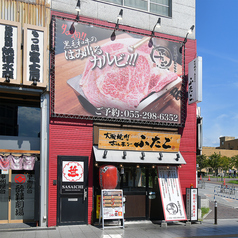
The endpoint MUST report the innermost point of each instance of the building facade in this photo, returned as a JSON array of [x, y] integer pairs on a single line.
[[24, 115], [118, 97], [228, 147]]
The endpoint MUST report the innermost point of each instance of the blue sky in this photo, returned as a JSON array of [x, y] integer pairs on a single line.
[[217, 44]]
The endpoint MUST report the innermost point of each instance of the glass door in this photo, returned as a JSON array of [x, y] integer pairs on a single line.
[[4, 196], [17, 196], [154, 200]]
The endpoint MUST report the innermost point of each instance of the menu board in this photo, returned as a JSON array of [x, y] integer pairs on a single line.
[[171, 196], [111, 205]]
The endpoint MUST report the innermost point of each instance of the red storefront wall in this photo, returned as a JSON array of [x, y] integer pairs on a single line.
[[72, 138], [75, 137], [187, 173]]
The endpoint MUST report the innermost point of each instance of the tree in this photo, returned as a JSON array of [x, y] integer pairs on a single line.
[[202, 161], [234, 160], [225, 163], [214, 161]]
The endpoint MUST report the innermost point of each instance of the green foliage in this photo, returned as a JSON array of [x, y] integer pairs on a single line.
[[202, 161], [234, 161], [205, 210], [214, 161], [225, 163], [233, 181]]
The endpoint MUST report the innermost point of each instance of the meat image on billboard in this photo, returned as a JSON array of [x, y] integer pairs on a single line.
[[120, 79]]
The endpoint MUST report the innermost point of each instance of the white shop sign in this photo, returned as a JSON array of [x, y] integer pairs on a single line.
[[171, 196], [195, 80]]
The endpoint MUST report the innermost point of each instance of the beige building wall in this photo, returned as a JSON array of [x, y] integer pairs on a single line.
[[208, 151]]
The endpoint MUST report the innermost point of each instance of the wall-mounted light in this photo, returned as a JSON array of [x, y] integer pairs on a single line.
[[153, 166], [35, 80], [157, 25], [160, 155], [77, 17], [167, 167], [119, 17], [104, 154], [96, 164], [190, 31], [124, 155], [77, 8], [138, 166], [142, 155], [72, 29], [177, 157], [7, 77]]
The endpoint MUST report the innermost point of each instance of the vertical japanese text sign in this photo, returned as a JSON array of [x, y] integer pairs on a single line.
[[10, 47], [35, 55], [195, 80]]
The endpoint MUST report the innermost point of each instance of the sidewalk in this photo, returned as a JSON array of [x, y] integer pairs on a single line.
[[224, 228], [219, 180]]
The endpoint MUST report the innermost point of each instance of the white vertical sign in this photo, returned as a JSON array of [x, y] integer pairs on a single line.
[[195, 80], [35, 55], [10, 46], [171, 196], [194, 204]]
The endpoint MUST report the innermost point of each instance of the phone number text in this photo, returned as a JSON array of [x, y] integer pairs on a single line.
[[131, 114]]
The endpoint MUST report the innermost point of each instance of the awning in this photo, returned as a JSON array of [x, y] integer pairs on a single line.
[[145, 157]]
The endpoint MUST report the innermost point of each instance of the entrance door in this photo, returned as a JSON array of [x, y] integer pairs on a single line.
[[17, 196], [72, 190], [154, 202], [141, 189]]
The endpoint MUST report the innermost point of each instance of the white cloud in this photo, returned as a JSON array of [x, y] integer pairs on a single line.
[[221, 56], [222, 116], [29, 113]]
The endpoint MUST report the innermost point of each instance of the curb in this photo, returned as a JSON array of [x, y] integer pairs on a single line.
[[27, 229]]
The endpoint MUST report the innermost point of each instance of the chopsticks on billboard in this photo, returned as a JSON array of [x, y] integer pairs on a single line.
[[131, 49]]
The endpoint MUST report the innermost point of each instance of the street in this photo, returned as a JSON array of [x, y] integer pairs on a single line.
[[227, 205]]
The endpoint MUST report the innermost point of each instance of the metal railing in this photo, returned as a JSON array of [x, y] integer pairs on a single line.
[[201, 183], [227, 191]]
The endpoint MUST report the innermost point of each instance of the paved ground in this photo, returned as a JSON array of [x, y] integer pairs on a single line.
[[224, 229], [227, 226], [223, 212]]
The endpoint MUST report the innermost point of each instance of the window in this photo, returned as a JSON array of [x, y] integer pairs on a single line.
[[134, 179], [158, 7], [16, 120]]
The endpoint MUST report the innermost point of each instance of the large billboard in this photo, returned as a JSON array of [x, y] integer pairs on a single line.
[[123, 79]]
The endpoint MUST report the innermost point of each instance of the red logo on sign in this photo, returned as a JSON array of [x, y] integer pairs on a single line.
[[73, 171], [20, 178]]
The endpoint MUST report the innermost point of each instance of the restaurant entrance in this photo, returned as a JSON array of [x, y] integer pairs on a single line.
[[17, 196], [141, 191]]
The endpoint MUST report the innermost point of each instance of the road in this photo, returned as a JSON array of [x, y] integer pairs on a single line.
[[227, 205]]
